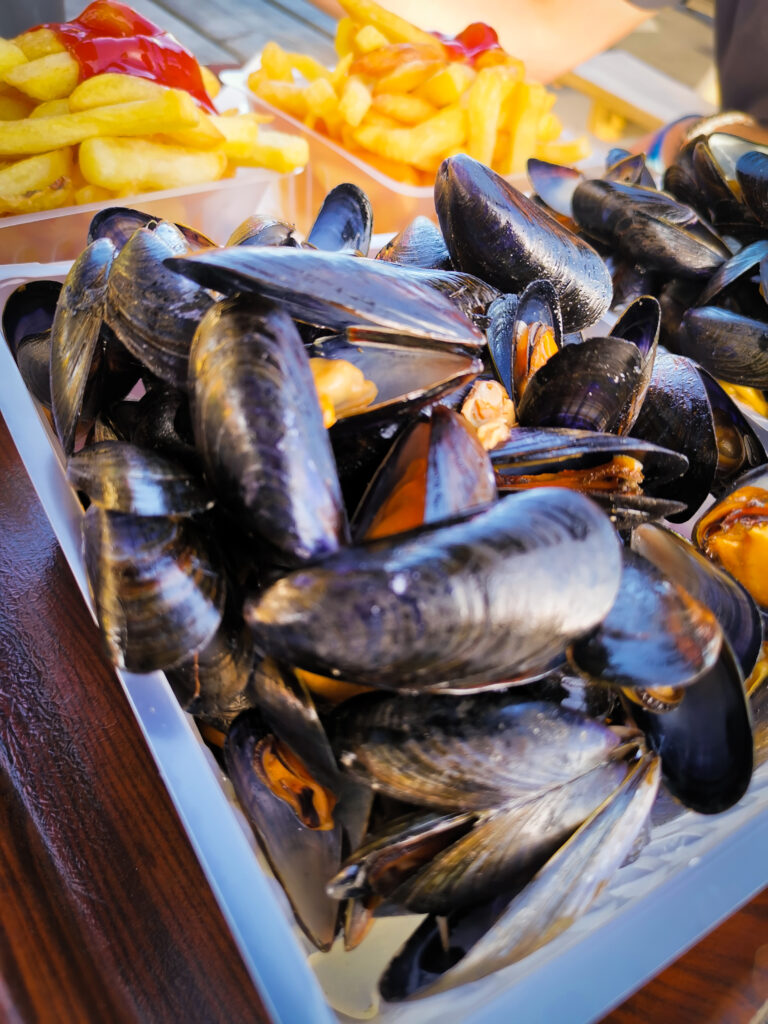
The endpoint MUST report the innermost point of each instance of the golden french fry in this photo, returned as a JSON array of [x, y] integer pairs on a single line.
[[142, 165], [15, 105], [550, 127], [46, 78], [369, 38], [404, 107], [172, 111], [445, 131], [10, 56], [35, 172], [113, 87], [322, 101], [527, 101], [276, 63], [204, 135], [211, 82], [396, 29], [407, 77], [563, 151], [384, 61], [447, 85], [344, 40], [286, 96], [308, 67], [39, 42], [279, 151], [354, 101], [239, 134], [52, 197], [340, 72], [92, 194], [485, 99], [50, 107]]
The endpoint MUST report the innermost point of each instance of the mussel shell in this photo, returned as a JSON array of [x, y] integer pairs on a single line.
[[732, 347], [125, 478], [161, 420], [734, 609], [258, 229], [258, 426], [655, 634], [497, 233], [537, 304], [344, 221], [554, 184], [469, 753], [640, 323], [752, 175], [630, 168], [158, 593], [118, 223], [303, 859], [334, 290], [152, 310], [419, 244], [729, 215], [33, 358], [29, 310], [746, 261], [705, 741], [75, 335], [590, 386], [446, 471], [502, 316], [467, 603]]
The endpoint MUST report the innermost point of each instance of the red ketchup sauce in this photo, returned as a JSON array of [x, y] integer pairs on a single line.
[[475, 39], [110, 36]]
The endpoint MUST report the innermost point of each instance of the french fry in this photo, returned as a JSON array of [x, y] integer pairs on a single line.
[[239, 135], [308, 67], [52, 197], [279, 151], [396, 29], [113, 87], [563, 151], [47, 78], [11, 56], [204, 135], [15, 105], [447, 85], [35, 172], [354, 101], [404, 107], [50, 107], [91, 194], [485, 98], [445, 131], [142, 165], [369, 38], [276, 63], [527, 103], [172, 111], [407, 77], [344, 40], [39, 42], [340, 72], [211, 83], [287, 96]]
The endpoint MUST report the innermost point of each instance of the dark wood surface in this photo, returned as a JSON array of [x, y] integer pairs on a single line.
[[105, 913]]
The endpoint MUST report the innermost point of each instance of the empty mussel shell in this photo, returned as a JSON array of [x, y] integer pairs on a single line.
[[344, 221], [29, 310]]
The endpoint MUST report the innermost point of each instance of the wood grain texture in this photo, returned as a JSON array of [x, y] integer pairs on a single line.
[[106, 915]]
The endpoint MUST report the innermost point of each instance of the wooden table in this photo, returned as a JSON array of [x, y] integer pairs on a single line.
[[105, 913]]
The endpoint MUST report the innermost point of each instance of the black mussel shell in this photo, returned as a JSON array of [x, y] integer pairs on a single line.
[[302, 858], [733, 348], [731, 217], [33, 358], [537, 305], [258, 229], [655, 635], [419, 244], [75, 337], [158, 592], [640, 323], [590, 386], [437, 469], [705, 740], [118, 223], [743, 264], [259, 428], [497, 233], [752, 175], [555, 184], [344, 222], [125, 478], [466, 603], [502, 316], [161, 420], [630, 168], [334, 290], [153, 311], [29, 310], [734, 609]]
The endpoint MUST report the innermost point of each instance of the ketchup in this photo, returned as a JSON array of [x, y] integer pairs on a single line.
[[476, 38], [110, 36]]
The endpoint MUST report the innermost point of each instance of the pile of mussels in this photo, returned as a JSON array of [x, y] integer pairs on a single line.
[[445, 680]]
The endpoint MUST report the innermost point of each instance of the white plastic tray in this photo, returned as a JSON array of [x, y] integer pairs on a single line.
[[695, 871]]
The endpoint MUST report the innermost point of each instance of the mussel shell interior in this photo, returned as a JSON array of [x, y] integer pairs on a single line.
[[29, 309]]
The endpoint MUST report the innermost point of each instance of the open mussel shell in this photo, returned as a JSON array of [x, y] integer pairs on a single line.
[[259, 428], [502, 316], [732, 533], [468, 603], [303, 858], [752, 176], [75, 337], [485, 938], [437, 469], [153, 311], [159, 594], [259, 229], [655, 635], [118, 223], [33, 358], [125, 478], [733, 608], [538, 313], [732, 347], [705, 740], [497, 233], [29, 310], [555, 184], [729, 215], [590, 386], [469, 753], [650, 227], [334, 290], [344, 221], [419, 244], [735, 272]]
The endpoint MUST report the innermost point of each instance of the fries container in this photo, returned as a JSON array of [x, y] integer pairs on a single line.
[[694, 871]]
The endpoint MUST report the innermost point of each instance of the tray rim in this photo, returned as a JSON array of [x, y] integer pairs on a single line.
[[244, 892]]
